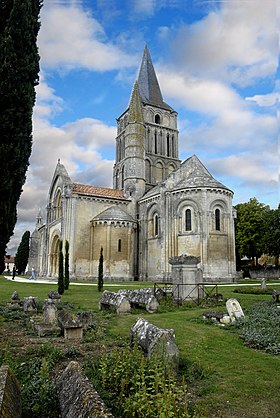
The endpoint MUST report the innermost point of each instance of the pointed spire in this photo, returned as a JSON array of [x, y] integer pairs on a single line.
[[148, 83], [135, 106], [39, 219]]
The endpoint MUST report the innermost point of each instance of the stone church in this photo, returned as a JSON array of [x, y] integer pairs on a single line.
[[159, 207]]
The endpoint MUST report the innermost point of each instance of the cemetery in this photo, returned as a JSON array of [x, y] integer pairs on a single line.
[[82, 352]]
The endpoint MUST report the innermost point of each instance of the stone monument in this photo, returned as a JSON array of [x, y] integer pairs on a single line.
[[186, 276]]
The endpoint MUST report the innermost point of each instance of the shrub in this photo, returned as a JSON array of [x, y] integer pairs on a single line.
[[140, 387], [261, 327], [253, 290]]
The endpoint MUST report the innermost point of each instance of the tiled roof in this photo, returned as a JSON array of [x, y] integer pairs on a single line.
[[86, 190]]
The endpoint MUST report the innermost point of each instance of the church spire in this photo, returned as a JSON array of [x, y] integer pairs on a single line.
[[135, 113], [148, 84]]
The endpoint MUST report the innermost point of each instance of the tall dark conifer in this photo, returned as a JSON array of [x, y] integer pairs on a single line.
[[19, 69], [66, 265], [60, 282], [21, 257], [100, 271]]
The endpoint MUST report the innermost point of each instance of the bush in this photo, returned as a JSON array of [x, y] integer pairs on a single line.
[[261, 327], [140, 387], [253, 290]]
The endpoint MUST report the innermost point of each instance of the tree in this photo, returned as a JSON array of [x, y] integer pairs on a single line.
[[100, 271], [272, 234], [19, 69], [21, 257], [60, 270], [66, 270], [251, 228]]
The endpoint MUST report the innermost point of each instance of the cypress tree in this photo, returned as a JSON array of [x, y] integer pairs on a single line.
[[19, 69], [60, 270], [66, 269], [21, 257], [100, 271]]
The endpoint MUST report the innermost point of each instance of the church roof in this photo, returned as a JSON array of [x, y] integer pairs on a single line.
[[86, 190], [114, 213], [148, 84], [197, 175], [191, 174], [135, 113]]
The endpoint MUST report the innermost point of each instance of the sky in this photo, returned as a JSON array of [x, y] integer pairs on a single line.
[[217, 66]]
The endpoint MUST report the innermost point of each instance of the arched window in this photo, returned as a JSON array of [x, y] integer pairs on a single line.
[[122, 178], [119, 245], [168, 145], [188, 220], [217, 220], [157, 119], [148, 171], [156, 225], [156, 143], [159, 172]]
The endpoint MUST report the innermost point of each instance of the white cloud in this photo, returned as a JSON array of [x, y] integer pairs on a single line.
[[237, 43], [70, 38]]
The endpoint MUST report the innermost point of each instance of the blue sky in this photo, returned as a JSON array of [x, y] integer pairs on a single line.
[[217, 65]]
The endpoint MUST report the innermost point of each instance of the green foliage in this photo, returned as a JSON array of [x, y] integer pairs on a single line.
[[66, 270], [272, 234], [100, 271], [250, 228], [60, 282], [38, 392], [142, 387], [261, 328], [19, 69], [21, 257], [253, 290]]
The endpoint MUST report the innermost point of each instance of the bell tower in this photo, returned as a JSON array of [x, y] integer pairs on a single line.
[[160, 134]]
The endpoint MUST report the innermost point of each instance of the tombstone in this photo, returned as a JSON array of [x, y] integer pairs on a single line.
[[234, 309], [15, 303], [186, 276], [114, 301], [10, 397], [54, 296], [154, 340], [49, 312], [143, 298], [87, 320], [263, 283], [77, 397], [70, 325], [30, 304]]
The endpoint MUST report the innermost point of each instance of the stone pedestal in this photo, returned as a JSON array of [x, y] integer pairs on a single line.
[[185, 277]]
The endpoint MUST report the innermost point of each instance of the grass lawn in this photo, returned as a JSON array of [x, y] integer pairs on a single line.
[[233, 381]]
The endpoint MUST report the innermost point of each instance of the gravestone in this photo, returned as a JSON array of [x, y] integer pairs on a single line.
[[70, 325], [186, 276], [234, 309], [154, 340], [77, 397], [263, 283], [30, 304], [54, 296], [49, 312], [114, 301], [10, 397], [15, 303]]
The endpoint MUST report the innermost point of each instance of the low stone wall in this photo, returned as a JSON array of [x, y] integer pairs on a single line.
[[77, 397], [10, 398]]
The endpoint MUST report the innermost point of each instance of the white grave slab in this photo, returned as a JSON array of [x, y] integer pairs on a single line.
[[234, 309]]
